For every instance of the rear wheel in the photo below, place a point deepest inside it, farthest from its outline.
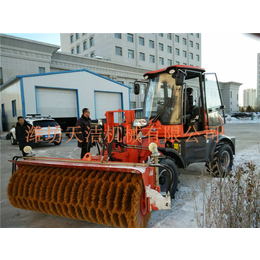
(222, 162)
(164, 178)
(13, 140)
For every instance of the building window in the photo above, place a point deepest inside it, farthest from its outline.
(14, 107)
(161, 61)
(177, 38)
(231, 94)
(169, 49)
(177, 51)
(197, 46)
(151, 44)
(85, 45)
(169, 36)
(177, 62)
(92, 54)
(1, 77)
(130, 37)
(132, 85)
(191, 43)
(197, 57)
(184, 63)
(141, 56)
(152, 59)
(184, 41)
(142, 89)
(191, 55)
(133, 104)
(141, 41)
(160, 34)
(160, 46)
(71, 38)
(91, 41)
(191, 33)
(197, 35)
(184, 54)
(169, 62)
(77, 36)
(78, 49)
(41, 70)
(118, 35)
(72, 51)
(130, 54)
(118, 51)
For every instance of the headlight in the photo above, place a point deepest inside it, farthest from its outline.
(100, 122)
(141, 122)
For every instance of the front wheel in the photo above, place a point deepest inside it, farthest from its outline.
(13, 140)
(164, 178)
(222, 162)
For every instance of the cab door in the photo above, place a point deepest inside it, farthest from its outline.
(214, 103)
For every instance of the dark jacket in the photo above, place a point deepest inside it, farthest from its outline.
(84, 131)
(25, 138)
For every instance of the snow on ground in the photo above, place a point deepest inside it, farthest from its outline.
(231, 120)
(182, 214)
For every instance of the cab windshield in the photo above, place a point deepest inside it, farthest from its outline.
(163, 100)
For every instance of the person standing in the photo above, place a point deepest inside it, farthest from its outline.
(84, 132)
(24, 134)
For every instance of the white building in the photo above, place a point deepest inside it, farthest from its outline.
(151, 51)
(250, 97)
(258, 80)
(62, 95)
(230, 95)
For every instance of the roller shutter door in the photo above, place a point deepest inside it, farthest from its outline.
(56, 102)
(106, 101)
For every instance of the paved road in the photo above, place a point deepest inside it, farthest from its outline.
(246, 135)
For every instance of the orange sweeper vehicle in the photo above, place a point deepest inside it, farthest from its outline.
(136, 169)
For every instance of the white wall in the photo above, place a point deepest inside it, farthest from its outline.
(9, 93)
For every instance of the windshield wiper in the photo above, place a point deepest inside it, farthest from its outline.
(168, 102)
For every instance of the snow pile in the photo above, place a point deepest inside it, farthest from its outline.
(230, 119)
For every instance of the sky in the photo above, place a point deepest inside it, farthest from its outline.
(232, 56)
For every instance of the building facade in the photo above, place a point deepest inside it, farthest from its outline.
(250, 97)
(258, 80)
(150, 51)
(230, 95)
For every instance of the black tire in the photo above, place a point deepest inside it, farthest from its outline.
(163, 179)
(13, 141)
(58, 143)
(222, 162)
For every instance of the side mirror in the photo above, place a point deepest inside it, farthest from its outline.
(179, 78)
(136, 88)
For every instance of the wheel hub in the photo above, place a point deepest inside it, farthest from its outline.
(225, 160)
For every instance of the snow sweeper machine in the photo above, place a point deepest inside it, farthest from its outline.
(136, 169)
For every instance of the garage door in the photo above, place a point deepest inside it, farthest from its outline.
(106, 101)
(56, 102)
